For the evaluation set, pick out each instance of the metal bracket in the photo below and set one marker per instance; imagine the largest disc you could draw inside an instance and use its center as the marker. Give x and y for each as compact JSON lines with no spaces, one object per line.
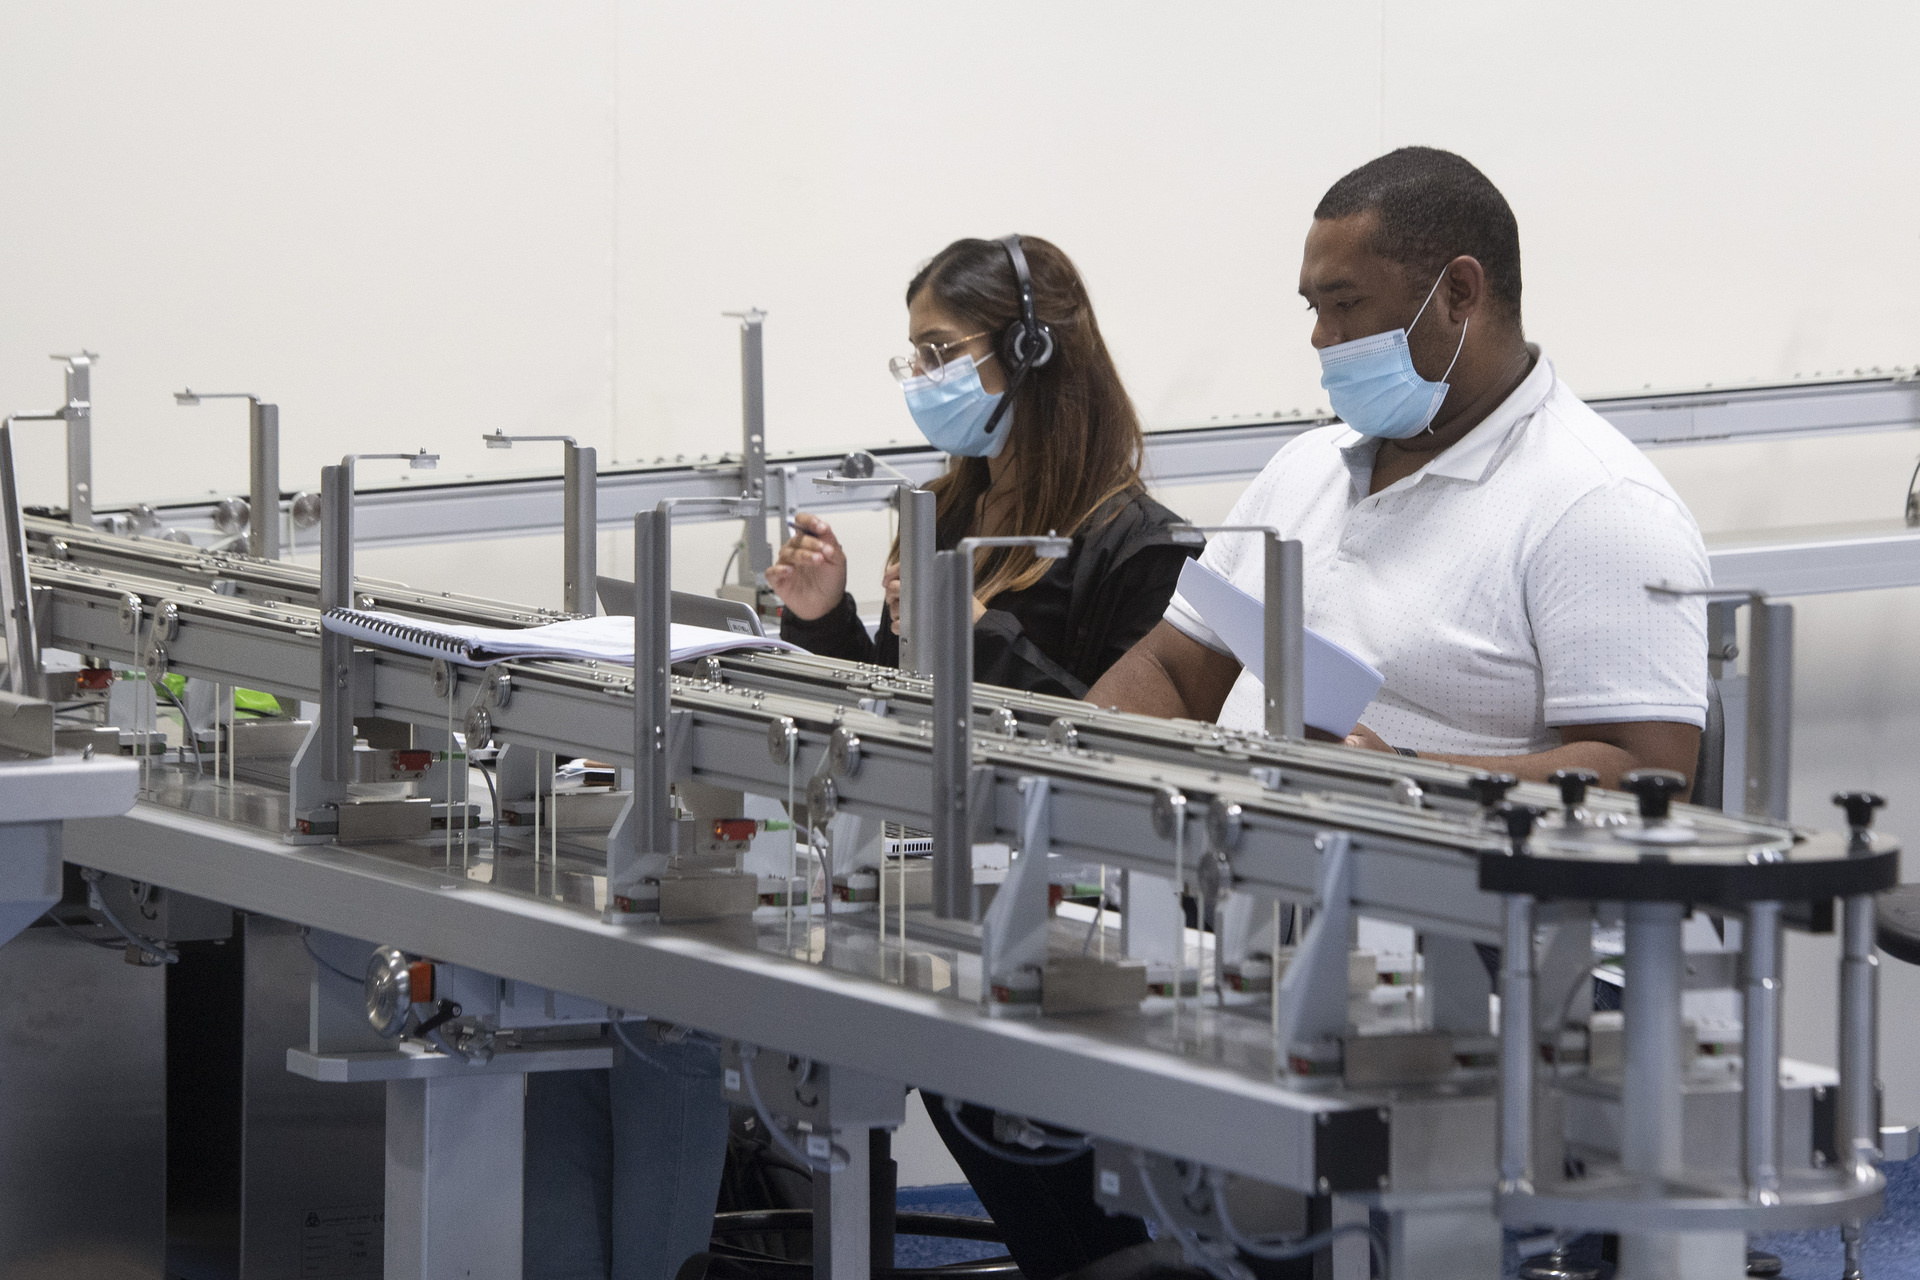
{"x":1312,"y":1001}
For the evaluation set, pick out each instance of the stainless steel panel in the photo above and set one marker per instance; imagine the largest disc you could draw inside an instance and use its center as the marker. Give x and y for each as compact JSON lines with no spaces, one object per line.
{"x":83,"y":1131}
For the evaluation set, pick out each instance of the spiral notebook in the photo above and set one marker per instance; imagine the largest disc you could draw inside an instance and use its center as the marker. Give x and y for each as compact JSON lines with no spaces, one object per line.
{"x":601,"y":639}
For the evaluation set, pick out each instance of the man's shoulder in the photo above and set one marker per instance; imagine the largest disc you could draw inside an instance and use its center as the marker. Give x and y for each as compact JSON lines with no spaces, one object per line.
{"x":1569,"y":450}
{"x":1311,"y":457}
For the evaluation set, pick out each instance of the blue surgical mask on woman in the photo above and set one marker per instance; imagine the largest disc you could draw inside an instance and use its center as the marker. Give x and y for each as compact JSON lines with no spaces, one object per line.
{"x":953,"y":412}
{"x":1375,"y":388}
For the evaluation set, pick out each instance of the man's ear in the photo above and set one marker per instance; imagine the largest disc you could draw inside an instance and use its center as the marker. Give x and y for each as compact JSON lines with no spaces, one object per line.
{"x":1465,"y":288}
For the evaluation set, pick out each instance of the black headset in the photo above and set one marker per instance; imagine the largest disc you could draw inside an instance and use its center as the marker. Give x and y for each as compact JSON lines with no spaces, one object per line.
{"x":1027,"y":344}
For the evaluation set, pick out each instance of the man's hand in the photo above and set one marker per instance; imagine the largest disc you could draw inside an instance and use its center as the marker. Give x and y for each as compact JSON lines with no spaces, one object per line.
{"x":1367,"y":740}
{"x":1610,"y":750}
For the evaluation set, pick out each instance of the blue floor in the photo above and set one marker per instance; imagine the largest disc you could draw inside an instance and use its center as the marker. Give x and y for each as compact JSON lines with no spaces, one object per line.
{"x":929,"y":1251}
{"x":1892,"y":1242}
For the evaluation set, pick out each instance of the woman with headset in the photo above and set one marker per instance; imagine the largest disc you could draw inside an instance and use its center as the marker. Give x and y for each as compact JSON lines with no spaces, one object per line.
{"x":1008,"y":374}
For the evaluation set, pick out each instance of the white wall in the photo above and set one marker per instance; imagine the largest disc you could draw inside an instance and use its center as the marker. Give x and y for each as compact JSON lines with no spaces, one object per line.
{"x":411,"y":223}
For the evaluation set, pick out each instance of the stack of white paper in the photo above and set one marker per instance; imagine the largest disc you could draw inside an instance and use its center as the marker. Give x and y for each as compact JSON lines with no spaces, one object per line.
{"x":603,"y":639}
{"x":1339,"y":683}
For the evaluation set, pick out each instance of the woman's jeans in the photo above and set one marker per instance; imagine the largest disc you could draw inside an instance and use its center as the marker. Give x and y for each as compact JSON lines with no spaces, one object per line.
{"x":623,"y":1166}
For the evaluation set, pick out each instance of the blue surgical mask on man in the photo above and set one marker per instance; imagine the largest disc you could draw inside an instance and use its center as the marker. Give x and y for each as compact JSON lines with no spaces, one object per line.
{"x":1374,"y":387}
{"x":953,"y":412}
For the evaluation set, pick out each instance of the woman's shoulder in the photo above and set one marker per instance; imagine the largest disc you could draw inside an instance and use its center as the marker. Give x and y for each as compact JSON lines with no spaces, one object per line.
{"x":1129,"y":522}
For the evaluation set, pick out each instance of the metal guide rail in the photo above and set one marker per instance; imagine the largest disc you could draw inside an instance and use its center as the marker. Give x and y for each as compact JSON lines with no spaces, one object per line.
{"x":1418,"y":820}
{"x":1233,"y":1086}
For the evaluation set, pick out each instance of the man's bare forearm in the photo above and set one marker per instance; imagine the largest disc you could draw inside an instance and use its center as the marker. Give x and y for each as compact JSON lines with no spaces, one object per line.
{"x":1610,"y":762}
{"x":1140,"y":684}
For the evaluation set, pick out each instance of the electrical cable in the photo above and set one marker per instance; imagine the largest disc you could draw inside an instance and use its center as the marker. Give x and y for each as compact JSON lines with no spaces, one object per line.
{"x":102,"y":943}
{"x":1913,"y":499}
{"x":620,"y":1034}
{"x":1013,"y":1157}
{"x":1191,"y":1246}
{"x":838,"y":1158}
{"x":1285,"y":1250}
{"x":493,"y":801}
{"x":305,"y":934}
{"x":728,"y":567}
{"x":159,"y":952}
{"x":186,"y":725}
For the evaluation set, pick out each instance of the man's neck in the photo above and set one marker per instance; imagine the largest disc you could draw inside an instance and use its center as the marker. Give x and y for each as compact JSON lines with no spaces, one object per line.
{"x":1395,"y":460}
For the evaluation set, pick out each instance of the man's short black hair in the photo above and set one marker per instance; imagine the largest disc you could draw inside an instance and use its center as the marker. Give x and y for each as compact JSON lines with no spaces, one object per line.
{"x":1434,"y":206}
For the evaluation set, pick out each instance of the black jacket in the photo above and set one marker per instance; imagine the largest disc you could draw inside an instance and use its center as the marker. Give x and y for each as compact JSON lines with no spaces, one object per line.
{"x":1062,"y":633}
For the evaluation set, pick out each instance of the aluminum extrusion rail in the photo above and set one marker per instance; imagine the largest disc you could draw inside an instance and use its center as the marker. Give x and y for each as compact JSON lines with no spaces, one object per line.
{"x":1416,"y":859}
{"x":1204,"y":453}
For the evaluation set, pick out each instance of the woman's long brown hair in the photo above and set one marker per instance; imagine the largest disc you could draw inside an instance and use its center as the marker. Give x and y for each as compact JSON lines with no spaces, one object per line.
{"x":1076,"y":439}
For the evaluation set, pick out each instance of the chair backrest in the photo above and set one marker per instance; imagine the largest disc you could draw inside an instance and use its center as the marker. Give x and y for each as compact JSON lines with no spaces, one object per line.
{"x":1710,"y":771}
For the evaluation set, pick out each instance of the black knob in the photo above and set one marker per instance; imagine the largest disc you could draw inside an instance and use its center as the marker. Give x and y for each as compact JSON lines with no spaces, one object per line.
{"x":1519,"y":820}
{"x":1491,"y":788}
{"x":1859,"y":806}
{"x":1573,"y":784}
{"x":1656,"y":789}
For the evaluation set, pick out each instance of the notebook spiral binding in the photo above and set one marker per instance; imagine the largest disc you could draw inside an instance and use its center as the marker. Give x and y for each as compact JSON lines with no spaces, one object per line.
{"x":421,"y":636}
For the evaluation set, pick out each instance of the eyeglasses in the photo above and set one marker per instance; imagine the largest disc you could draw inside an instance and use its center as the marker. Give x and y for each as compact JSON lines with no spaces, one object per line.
{"x":929,"y":359}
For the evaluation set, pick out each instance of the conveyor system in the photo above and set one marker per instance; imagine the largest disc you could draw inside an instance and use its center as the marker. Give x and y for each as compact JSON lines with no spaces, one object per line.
{"x":1274,"y":1113}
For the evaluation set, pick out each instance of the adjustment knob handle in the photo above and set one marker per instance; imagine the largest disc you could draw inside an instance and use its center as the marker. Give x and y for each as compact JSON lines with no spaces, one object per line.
{"x":1519,"y":820}
{"x":1573,"y":784}
{"x":1491,"y":788}
{"x":1656,"y":789}
{"x":1859,"y":806}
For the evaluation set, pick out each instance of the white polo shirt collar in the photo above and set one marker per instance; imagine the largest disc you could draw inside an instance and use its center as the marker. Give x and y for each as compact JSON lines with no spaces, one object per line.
{"x":1472,"y":456}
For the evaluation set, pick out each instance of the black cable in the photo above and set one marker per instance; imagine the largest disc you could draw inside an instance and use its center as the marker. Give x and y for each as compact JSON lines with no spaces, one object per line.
{"x":1913,"y":499}
{"x":493,"y":801}
{"x":321,"y":960}
{"x":186,"y":723}
{"x":729,"y":565}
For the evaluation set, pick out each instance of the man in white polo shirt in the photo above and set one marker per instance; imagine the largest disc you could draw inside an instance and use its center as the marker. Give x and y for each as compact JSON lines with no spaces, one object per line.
{"x":1473,"y":530}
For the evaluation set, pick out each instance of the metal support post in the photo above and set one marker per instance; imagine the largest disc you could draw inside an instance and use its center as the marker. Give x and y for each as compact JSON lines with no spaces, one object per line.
{"x":263,"y":467}
{"x":1760,"y":1053}
{"x":1859,"y":1038}
{"x":1769,"y":708}
{"x":916,"y":579}
{"x":1285,"y":648}
{"x":953,"y":893}
{"x":455,"y":1150}
{"x":1516,"y":1048}
{"x":335,"y":726}
{"x":756,"y":554}
{"x":842,"y":1209}
{"x":952,"y":670}
{"x":16,"y":592}
{"x":78,"y":415}
{"x":263,"y":480}
{"x":649,"y":824}
{"x":580,"y":523}
{"x":1653,"y":1088}
{"x":580,"y":481}
{"x":1283,"y":640}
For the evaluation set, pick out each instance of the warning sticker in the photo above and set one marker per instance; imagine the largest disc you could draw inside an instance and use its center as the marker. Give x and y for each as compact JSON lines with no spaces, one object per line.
{"x":342,"y":1242}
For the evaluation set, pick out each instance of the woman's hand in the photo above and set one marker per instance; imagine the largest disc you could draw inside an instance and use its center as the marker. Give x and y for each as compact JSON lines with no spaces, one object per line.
{"x":810,"y":573}
{"x":890,"y":583}
{"x":891,"y":586}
